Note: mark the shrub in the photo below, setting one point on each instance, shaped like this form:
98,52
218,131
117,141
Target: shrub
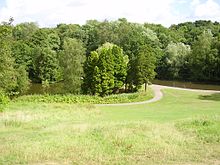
3,100
70,98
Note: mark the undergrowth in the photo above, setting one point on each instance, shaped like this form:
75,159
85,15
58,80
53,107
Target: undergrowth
69,98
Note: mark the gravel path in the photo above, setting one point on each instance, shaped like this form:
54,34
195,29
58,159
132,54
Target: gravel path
158,95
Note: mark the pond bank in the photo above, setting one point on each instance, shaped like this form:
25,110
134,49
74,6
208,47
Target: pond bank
190,85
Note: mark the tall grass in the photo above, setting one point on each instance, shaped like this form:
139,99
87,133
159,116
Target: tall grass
175,130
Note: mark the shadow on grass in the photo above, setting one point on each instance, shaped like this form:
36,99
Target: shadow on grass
214,97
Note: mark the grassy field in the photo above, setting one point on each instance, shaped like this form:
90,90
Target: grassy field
182,128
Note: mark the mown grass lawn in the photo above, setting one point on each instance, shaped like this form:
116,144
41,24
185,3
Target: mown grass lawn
182,128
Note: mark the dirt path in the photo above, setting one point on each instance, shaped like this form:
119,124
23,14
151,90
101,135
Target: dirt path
158,95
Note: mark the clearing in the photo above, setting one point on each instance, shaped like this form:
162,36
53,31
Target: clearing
181,128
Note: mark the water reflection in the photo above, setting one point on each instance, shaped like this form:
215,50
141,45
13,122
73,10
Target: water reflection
57,88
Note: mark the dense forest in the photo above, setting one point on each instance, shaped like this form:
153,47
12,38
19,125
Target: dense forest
101,58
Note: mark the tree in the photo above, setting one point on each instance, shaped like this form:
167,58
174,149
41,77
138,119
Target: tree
8,76
105,70
72,58
24,31
12,78
216,65
46,65
45,45
22,80
93,39
71,31
105,66
144,65
22,53
203,57
200,51
174,63
90,70
120,67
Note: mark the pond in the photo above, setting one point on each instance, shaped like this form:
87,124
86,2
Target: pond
57,88
192,85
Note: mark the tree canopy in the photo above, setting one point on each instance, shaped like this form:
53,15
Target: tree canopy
103,57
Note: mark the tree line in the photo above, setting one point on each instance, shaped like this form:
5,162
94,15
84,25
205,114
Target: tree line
101,58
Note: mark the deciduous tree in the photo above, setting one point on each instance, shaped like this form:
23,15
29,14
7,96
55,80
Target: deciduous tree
72,58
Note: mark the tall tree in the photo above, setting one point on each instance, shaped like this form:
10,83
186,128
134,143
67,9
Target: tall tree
8,77
203,57
24,31
142,71
45,45
120,67
105,67
46,65
91,69
72,58
105,71
174,64
10,73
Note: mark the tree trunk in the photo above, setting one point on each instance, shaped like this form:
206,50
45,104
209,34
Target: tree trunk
126,88
145,86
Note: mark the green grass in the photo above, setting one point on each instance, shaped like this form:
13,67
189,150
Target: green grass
182,128
174,106
68,98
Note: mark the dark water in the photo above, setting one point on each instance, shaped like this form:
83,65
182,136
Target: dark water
57,88
191,85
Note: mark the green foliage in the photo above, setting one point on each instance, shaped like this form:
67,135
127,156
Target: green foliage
3,100
40,51
45,45
204,59
22,80
24,31
120,68
45,86
142,68
69,98
145,65
72,58
71,31
165,35
8,77
90,69
105,70
191,30
54,41
22,53
175,62
45,65
13,77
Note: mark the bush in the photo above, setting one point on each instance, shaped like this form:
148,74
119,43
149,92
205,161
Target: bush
22,80
3,100
70,98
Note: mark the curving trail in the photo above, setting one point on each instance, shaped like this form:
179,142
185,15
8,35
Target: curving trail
158,95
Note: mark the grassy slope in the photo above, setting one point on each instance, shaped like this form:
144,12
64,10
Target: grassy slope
182,128
174,106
